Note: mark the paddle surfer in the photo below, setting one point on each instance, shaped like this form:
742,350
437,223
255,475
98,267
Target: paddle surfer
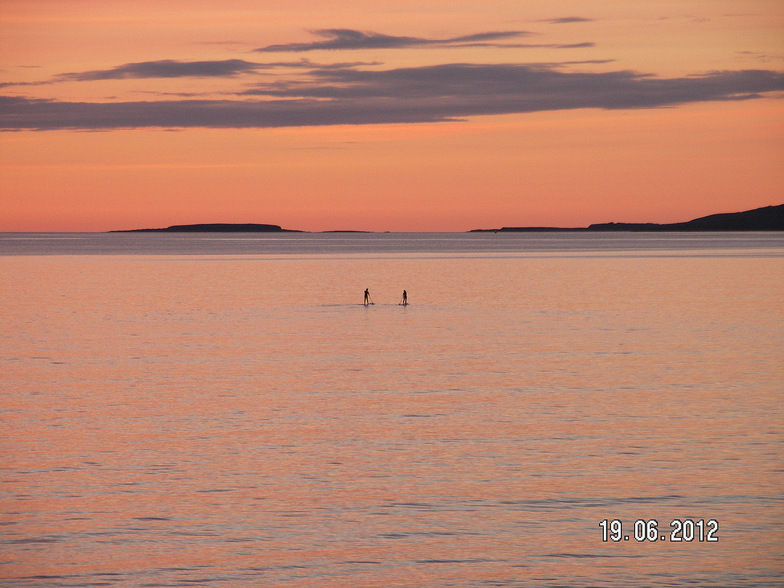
367,296
405,299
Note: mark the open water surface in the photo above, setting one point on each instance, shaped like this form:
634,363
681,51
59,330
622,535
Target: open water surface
222,410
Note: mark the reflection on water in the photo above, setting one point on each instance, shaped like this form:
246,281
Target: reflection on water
570,243
244,420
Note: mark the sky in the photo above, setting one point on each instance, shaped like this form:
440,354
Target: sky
415,115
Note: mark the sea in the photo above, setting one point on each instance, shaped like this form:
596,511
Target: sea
549,409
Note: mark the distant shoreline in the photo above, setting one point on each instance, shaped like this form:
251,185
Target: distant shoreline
768,218
214,228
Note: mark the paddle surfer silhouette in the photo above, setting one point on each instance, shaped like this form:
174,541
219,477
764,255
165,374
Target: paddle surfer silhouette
405,299
367,297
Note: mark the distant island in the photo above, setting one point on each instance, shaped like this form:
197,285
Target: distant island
768,218
215,228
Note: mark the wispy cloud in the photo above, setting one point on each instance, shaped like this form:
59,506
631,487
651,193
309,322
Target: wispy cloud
354,96
567,20
343,39
498,88
166,68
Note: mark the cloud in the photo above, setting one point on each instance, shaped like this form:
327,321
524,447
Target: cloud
166,68
570,46
406,95
8,84
22,113
523,88
567,20
352,39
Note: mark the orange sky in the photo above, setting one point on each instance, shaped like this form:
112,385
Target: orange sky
408,116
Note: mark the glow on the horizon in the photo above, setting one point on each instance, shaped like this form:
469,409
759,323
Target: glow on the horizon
567,167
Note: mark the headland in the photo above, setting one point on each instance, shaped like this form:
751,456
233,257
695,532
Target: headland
768,218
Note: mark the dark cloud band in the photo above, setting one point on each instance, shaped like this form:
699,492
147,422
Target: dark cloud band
408,95
567,20
350,39
166,68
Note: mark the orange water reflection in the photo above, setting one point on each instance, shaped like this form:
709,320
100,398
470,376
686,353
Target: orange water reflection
248,421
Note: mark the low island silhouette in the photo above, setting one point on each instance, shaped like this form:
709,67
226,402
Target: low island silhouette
215,228
767,218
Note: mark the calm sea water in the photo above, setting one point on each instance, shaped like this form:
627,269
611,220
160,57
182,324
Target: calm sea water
223,411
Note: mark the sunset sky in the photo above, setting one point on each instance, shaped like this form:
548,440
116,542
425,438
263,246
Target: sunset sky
414,115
